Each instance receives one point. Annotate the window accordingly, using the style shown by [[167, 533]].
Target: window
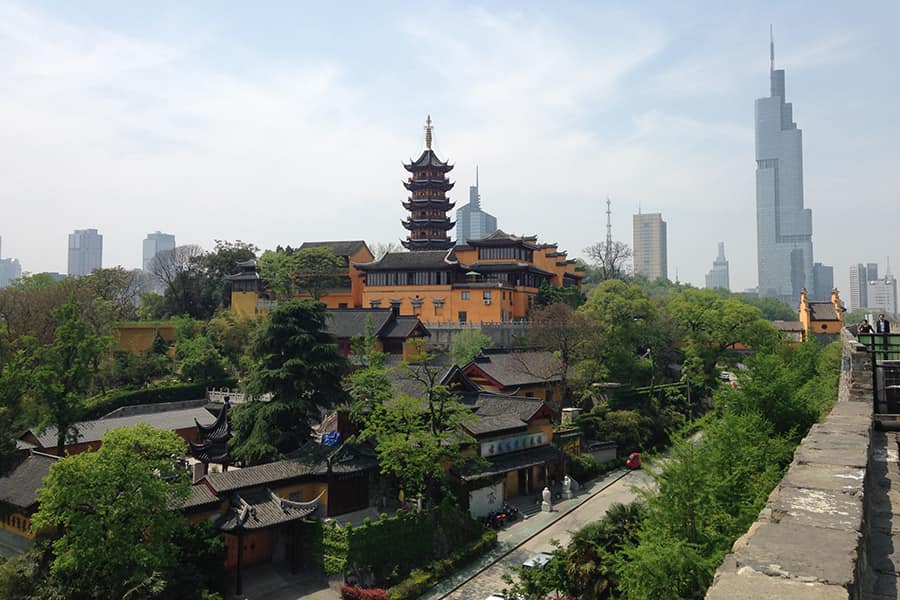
[[374, 303], [464, 295], [342, 305], [462, 316], [486, 295]]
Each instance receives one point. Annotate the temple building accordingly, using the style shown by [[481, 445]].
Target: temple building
[[428, 205], [495, 279]]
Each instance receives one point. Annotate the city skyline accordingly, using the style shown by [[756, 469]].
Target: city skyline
[[161, 108]]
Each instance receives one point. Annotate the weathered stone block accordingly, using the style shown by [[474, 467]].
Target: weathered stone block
[[843, 479], [817, 508], [794, 551], [746, 584]]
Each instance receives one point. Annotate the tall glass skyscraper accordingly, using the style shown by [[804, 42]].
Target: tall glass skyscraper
[[472, 223], [85, 251], [783, 226]]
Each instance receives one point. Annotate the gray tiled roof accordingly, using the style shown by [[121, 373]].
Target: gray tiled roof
[[420, 259], [146, 409], [200, 496], [351, 322], [496, 424], [788, 325], [339, 248], [260, 508], [92, 431], [498, 412], [497, 465], [19, 487], [822, 311], [401, 327], [520, 367]]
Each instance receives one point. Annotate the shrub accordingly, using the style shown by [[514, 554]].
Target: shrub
[[354, 592], [584, 468], [101, 405]]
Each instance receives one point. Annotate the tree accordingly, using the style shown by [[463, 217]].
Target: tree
[[318, 269], [63, 372], [186, 291], [567, 333], [118, 287], [14, 374], [551, 294], [467, 344], [222, 262], [292, 357], [610, 260], [279, 270], [113, 511]]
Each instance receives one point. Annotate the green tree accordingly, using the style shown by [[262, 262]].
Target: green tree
[[113, 511], [279, 270], [292, 357], [63, 372], [467, 344], [200, 360], [118, 287], [551, 294], [14, 373], [318, 270], [221, 262]]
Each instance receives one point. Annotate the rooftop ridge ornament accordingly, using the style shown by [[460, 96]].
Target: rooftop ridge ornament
[[428, 129]]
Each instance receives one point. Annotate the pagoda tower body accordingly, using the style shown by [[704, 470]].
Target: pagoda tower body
[[428, 205]]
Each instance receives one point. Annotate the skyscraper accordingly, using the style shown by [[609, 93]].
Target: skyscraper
[[154, 244], [823, 282], [882, 293], [85, 251], [472, 223], [718, 275], [858, 286], [783, 225], [10, 269], [650, 254]]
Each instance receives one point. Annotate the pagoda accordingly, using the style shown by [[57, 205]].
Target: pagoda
[[428, 205]]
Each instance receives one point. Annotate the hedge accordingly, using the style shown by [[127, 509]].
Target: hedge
[[101, 405], [421, 580], [584, 468], [373, 548]]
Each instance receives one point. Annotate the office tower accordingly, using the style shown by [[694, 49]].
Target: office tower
[[650, 255], [783, 225], [155, 243], [858, 286], [85, 251], [472, 223], [823, 282], [883, 295], [871, 271], [718, 275], [10, 269]]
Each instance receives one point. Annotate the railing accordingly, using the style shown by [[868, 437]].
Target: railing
[[233, 396], [884, 348]]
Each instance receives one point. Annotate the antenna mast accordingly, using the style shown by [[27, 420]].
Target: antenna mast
[[608, 228]]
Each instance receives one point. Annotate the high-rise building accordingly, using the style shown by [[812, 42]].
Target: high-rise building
[[10, 269], [871, 271], [155, 243], [883, 294], [858, 286], [823, 282], [472, 223], [783, 225], [650, 254], [428, 224], [85, 251], [718, 275]]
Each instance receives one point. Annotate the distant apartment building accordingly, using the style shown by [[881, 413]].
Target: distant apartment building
[[823, 282], [155, 243], [472, 223], [85, 251], [10, 269], [858, 286], [882, 294], [718, 276], [650, 253]]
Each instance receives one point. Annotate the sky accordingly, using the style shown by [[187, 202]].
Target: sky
[[283, 122]]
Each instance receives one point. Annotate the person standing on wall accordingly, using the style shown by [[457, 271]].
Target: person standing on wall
[[882, 325]]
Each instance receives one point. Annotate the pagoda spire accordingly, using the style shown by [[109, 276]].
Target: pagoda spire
[[428, 129]]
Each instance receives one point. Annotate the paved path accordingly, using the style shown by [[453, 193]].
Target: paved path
[[515, 543], [520, 541]]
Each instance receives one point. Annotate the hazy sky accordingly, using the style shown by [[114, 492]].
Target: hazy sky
[[282, 122]]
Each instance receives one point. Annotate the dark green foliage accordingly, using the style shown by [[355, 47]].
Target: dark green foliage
[[200, 360], [421, 580], [584, 468], [372, 548], [292, 357], [467, 344], [100, 405], [551, 294]]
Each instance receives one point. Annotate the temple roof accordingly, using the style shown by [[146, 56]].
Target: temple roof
[[504, 463], [399, 261], [345, 323], [339, 248], [19, 487], [428, 159], [219, 430], [210, 452], [260, 508], [425, 184], [492, 267], [501, 238], [518, 367], [424, 244]]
